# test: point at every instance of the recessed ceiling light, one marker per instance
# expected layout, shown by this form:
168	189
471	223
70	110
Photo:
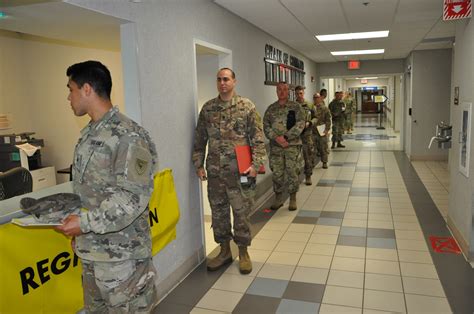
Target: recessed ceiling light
349	36
367	78
357	52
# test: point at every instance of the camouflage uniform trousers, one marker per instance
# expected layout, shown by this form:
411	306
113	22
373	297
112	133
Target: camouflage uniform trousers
321	147
308	153
337	129
119	287
285	164
350	121
225	191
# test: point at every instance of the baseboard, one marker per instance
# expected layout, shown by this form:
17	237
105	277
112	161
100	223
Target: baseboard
177	276
460	240
428	158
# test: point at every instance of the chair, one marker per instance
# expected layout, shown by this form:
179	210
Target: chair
14	182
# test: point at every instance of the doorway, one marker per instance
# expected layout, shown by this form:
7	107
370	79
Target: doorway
209	58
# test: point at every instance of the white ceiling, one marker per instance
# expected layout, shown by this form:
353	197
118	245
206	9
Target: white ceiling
413	24
61	21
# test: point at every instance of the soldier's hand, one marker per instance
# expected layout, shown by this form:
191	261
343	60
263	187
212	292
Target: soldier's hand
71	226
307	124
281	141
251	172
201	173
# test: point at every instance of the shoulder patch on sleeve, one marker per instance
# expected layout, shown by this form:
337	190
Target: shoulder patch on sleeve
139	164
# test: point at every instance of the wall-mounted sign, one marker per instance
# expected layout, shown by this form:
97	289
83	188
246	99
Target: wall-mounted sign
369	88
457	9
465	139
353	64
281	66
380	98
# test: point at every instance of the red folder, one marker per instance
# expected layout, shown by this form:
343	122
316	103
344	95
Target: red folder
244	159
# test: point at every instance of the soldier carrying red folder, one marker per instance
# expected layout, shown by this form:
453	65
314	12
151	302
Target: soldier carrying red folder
224	123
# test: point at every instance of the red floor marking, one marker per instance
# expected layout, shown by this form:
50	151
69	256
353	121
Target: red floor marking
266	210
444	245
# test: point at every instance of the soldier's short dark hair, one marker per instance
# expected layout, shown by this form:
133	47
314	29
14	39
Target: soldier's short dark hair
298	88
323	92
282	82
229	69
93	73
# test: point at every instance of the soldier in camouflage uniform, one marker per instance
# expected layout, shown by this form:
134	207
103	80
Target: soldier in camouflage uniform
323	117
283	123
307	135
113	167
225	122
350	113
337	112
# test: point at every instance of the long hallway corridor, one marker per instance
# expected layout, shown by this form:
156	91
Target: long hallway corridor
358	243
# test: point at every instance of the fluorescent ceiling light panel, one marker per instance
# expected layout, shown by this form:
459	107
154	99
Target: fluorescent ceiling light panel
357	52
349	36
367	78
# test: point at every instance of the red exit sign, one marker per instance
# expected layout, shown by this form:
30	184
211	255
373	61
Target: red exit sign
353	64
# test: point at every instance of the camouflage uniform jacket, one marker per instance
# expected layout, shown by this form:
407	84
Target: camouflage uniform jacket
225	125
323	116
310	117
275	119
349	102
336	108
114	163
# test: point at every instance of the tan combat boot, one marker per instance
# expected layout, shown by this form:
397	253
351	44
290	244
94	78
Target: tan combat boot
325	165
292	206
245	264
308	180
224	257
278	202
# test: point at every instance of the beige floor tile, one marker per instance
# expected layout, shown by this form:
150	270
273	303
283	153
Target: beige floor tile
317	261
430	287
383	300
382	254
258	255
346	279
320	249
379	210
264	244
281	219
354	223
415	256
414	245
380	217
310	275
233	269
382	267
276	271
418	270
274	226
409	234
321	229
380	224
404	218
270	234
425	304
300	228
330	308
407	226
198	310
290	246
356	216
383	282
235	283
343	296
370	311
348	264
284	258
360	210
350	251
296	236
220	300
323	238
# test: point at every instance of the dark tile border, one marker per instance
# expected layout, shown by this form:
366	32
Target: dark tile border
455	274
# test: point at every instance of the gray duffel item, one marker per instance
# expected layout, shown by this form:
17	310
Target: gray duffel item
52	208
